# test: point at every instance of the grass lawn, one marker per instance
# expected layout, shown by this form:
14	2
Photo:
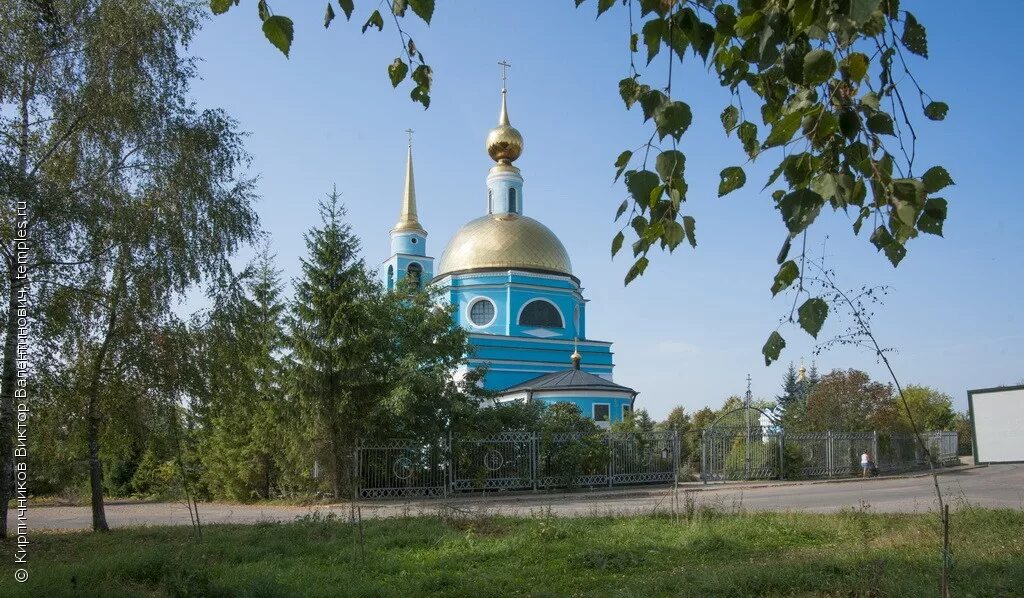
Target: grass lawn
850	553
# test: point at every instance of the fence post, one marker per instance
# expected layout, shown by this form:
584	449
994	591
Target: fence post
675	456
449	485
534	457
782	454
828	452
874	449
355	476
703	456
611	456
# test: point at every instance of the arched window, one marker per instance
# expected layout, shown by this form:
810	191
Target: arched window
391	277
414	273
512	199
490	201
541	313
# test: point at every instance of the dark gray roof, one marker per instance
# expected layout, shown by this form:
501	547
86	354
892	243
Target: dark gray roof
570	379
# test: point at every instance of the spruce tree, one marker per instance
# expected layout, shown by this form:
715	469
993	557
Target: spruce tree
244	403
790	389
331	334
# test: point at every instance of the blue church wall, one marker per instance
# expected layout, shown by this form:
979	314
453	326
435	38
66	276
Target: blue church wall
510	293
464	300
557	354
616	405
503	375
511	360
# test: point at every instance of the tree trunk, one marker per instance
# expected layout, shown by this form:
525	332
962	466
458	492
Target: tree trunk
7	414
336	472
14	287
93	416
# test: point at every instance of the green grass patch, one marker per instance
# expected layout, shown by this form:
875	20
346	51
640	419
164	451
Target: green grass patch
850	553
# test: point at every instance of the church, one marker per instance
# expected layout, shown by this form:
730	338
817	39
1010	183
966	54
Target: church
515	293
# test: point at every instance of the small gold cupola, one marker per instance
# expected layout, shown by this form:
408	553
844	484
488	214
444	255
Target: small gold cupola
504	142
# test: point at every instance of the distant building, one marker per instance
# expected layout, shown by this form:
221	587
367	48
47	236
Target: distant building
512	282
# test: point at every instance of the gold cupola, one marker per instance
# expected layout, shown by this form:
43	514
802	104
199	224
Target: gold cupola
504	142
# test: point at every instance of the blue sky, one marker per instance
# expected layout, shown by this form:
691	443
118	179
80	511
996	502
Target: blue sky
690	330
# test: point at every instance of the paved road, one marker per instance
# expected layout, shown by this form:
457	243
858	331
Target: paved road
997	486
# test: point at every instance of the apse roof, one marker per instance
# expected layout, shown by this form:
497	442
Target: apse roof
570	379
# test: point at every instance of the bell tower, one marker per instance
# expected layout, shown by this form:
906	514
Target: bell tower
408	238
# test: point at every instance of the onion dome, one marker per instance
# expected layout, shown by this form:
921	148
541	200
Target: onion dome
504	142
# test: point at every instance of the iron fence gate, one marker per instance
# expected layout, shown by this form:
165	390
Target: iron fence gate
515	461
505	461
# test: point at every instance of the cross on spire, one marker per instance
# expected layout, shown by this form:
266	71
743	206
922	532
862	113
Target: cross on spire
409	132
504	72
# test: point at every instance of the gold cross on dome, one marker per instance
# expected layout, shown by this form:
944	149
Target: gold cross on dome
504	71
409	132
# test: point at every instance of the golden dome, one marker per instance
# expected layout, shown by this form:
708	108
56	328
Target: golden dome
504	241
504	142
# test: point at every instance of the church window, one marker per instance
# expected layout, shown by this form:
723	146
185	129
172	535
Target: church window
602	411
414	272
391	277
414	241
490	201
481	312
512	199
540	313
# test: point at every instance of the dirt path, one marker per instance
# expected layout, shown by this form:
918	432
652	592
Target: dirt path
998	486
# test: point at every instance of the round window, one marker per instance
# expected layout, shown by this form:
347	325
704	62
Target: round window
481	312
414	240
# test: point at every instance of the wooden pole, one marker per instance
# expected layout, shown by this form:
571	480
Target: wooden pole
945	551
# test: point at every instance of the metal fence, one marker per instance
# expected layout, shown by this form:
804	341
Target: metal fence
515	461
770	453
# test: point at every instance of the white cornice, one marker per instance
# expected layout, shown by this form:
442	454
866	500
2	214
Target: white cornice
582	343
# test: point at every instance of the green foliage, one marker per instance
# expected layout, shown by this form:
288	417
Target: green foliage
570	445
773	347
365	363
397	71
850	401
812	315
638	421
930	409
245	413
143	199
788	272
965	433
733	178
280	32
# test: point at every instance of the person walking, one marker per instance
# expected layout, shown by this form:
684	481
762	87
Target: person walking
865	464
